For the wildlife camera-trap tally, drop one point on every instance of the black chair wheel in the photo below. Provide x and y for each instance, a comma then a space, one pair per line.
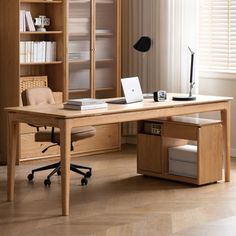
84, 181
47, 182
59, 172
88, 174
30, 177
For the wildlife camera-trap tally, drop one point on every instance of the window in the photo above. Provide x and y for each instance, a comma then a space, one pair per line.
217, 40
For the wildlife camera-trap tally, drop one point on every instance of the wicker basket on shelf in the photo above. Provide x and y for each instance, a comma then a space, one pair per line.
33, 82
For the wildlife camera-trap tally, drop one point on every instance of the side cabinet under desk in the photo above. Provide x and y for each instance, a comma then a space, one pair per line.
156, 137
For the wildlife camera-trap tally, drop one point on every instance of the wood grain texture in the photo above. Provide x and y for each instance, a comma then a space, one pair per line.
55, 116
209, 141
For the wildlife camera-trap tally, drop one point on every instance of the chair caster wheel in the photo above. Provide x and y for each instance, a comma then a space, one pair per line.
88, 174
84, 181
58, 172
30, 177
47, 182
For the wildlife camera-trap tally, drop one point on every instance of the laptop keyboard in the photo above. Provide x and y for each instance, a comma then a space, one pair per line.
117, 101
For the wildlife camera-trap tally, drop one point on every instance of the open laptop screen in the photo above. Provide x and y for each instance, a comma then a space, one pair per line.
132, 91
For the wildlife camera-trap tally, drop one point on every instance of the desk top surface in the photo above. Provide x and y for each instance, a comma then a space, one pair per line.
147, 104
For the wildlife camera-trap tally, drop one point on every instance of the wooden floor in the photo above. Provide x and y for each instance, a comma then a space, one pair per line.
117, 202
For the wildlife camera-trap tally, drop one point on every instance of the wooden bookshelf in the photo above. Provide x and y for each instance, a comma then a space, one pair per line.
91, 75
12, 69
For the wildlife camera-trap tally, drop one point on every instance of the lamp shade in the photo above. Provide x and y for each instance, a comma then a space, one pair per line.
143, 44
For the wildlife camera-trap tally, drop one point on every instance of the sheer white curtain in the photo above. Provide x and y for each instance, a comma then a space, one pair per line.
140, 18
172, 25
178, 31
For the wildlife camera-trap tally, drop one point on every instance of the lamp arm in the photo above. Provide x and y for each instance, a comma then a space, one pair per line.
190, 88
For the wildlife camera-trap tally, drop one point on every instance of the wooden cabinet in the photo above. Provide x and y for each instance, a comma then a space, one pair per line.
152, 149
94, 48
86, 34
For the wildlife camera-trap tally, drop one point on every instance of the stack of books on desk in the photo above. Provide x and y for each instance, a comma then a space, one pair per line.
85, 104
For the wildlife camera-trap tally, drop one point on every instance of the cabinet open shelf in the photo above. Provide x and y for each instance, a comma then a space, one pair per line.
40, 1
41, 33
41, 63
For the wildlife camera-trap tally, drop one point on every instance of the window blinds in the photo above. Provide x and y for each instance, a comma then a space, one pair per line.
217, 35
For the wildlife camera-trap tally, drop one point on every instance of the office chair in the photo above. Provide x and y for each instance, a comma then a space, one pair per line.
42, 96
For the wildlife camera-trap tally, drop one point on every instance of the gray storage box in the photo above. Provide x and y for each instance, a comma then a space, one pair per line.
183, 160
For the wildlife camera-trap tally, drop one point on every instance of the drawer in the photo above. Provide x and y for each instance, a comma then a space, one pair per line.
180, 131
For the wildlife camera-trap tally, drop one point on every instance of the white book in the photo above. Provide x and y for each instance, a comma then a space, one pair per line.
40, 52
22, 21
29, 21
85, 107
43, 51
32, 52
22, 52
38, 56
53, 51
27, 51
48, 56
35, 56
85, 101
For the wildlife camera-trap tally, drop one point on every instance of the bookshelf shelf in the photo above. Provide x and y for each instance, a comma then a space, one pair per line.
41, 63
41, 1
40, 33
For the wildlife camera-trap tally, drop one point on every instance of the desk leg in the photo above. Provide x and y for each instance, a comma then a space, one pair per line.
65, 144
225, 117
11, 155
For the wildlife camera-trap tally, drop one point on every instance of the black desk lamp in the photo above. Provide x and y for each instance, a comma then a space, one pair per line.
143, 44
191, 84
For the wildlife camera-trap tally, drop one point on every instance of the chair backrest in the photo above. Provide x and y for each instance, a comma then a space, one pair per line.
38, 96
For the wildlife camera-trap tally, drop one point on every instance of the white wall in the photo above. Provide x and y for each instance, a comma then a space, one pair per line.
222, 87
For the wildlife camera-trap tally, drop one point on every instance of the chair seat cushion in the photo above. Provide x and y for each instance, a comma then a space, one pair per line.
76, 134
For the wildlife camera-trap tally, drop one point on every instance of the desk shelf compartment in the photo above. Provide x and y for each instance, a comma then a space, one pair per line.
206, 134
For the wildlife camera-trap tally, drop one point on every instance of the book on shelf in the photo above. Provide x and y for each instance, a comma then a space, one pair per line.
85, 101
26, 21
85, 107
29, 21
33, 51
22, 21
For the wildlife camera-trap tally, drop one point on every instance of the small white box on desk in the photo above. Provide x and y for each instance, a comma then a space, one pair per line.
183, 160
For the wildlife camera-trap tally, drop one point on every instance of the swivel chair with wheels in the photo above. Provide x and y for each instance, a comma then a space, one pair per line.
43, 96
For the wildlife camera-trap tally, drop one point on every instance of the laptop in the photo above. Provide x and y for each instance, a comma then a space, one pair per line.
132, 91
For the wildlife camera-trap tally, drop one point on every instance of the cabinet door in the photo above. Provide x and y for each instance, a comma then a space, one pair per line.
106, 48
149, 153
79, 48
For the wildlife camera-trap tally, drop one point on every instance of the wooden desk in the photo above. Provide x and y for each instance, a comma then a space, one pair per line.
56, 116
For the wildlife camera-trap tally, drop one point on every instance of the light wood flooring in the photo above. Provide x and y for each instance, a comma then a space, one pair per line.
117, 202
